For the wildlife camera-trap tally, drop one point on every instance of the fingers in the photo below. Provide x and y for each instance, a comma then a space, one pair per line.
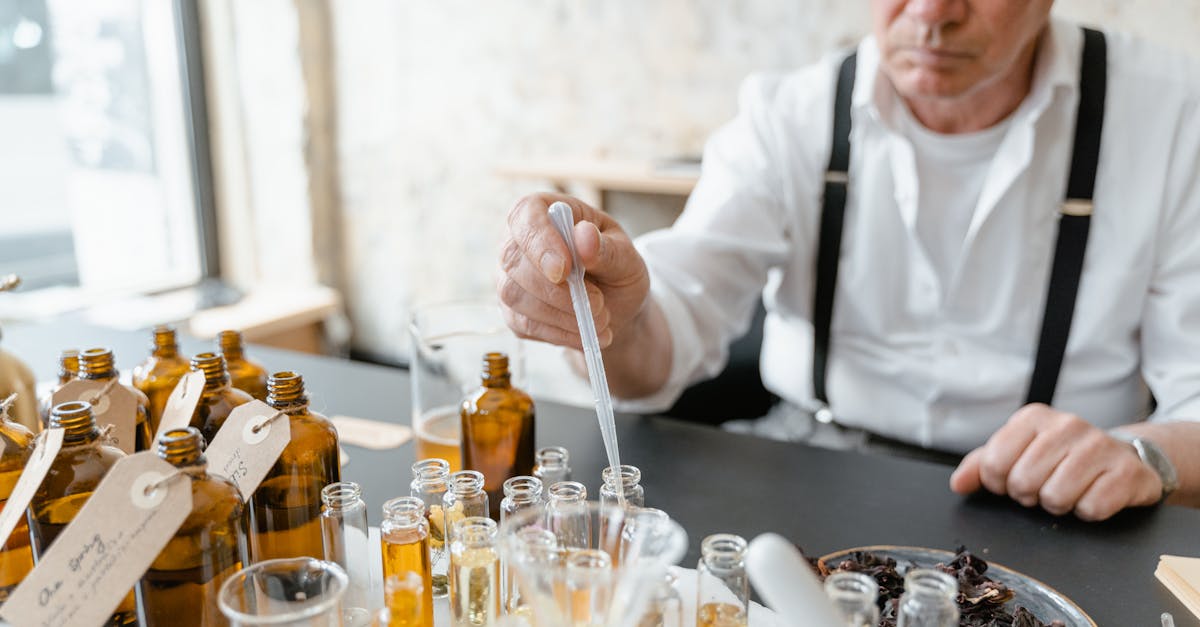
1036, 465
522, 279
608, 255
1003, 450
965, 479
530, 227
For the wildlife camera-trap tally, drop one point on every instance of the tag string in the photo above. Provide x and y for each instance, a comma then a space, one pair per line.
259, 427
153, 487
107, 387
6, 403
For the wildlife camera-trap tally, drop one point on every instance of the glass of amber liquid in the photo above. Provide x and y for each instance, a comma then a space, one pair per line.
448, 340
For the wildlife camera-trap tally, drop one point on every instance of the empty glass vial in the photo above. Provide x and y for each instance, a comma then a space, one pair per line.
68, 371
246, 375
854, 595
347, 543
666, 607
218, 399
474, 572
552, 464
16, 556
285, 511
404, 539
431, 481
73, 476
97, 364
182, 583
522, 493
160, 373
464, 499
497, 429
567, 515
625, 485
539, 554
722, 588
928, 599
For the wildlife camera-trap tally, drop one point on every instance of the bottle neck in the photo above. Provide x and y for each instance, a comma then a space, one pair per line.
182, 447
404, 512
216, 375
97, 364
723, 552
466, 483
568, 492
342, 496
626, 481
165, 344
523, 490
930, 587
231, 345
68, 366
77, 422
285, 391
552, 459
495, 371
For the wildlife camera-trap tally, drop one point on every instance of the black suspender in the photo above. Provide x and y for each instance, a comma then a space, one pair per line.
1068, 253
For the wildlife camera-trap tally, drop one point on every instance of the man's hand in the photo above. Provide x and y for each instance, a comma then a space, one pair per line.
1059, 461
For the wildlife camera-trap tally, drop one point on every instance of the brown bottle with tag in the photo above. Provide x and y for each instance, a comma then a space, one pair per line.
160, 373
244, 374
219, 397
73, 476
285, 511
497, 429
180, 587
16, 556
97, 364
68, 371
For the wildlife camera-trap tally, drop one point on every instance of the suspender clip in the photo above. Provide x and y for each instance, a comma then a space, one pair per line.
1079, 207
823, 414
835, 176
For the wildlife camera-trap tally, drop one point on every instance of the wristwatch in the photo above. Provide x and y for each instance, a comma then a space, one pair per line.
1152, 456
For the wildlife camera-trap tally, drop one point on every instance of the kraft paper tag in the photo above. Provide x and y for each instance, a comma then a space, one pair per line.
372, 434
181, 404
46, 448
117, 407
94, 562
1181, 575
248, 444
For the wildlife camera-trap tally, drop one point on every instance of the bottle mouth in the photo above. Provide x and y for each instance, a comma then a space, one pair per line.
429, 469
229, 341
164, 338
406, 510
853, 587
568, 492
285, 388
629, 476
97, 362
213, 367
552, 457
341, 494
182, 447
74, 417
474, 532
466, 481
723, 549
927, 582
523, 488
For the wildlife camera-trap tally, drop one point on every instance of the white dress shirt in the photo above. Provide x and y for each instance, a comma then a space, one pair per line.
943, 361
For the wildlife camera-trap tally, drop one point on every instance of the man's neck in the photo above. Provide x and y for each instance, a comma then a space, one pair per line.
982, 106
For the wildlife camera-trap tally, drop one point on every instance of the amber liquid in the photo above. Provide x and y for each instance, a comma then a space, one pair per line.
156, 379
437, 434
720, 615
16, 558
497, 438
247, 376
407, 551
406, 608
475, 588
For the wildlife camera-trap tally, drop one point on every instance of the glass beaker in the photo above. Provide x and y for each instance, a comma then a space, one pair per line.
296, 591
448, 340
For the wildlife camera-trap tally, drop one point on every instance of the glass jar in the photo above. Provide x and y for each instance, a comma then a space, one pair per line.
474, 572
404, 539
431, 481
346, 539
855, 597
623, 485
160, 373
219, 398
722, 588
552, 464
464, 499
928, 599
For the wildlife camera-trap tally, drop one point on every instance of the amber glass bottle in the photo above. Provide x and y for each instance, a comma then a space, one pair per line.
68, 370
219, 397
70, 482
180, 587
285, 510
97, 364
16, 556
497, 429
246, 375
160, 373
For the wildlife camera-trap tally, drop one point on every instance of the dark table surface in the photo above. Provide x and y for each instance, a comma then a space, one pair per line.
712, 481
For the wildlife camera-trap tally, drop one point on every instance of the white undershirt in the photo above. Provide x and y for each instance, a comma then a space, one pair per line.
951, 170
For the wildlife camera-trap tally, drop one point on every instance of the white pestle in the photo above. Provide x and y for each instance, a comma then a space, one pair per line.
787, 583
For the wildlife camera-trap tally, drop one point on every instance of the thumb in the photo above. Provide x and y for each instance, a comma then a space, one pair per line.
965, 479
607, 257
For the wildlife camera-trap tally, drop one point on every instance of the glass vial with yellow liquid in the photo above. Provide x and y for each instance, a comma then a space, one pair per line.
246, 375
218, 399
98, 364
431, 481
73, 476
474, 573
404, 541
180, 588
160, 373
16, 445
722, 587
68, 371
497, 429
285, 511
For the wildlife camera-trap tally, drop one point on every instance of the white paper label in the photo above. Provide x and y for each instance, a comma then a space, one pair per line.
46, 448
248, 444
177, 413
117, 407
373, 434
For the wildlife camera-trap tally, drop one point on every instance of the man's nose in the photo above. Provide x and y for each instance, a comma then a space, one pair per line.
936, 12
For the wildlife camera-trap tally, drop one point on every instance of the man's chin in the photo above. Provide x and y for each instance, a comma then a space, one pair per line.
922, 84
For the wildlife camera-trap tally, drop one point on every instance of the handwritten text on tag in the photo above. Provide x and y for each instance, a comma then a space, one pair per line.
248, 444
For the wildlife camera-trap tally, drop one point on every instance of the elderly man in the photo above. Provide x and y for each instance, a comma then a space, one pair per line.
921, 217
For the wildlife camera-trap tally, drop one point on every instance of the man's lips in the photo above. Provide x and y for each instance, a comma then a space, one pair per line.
935, 56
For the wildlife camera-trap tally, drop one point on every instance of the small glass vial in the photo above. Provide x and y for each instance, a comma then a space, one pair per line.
346, 541
539, 554
182, 583
855, 597
722, 588
160, 373
219, 399
245, 375
497, 429
464, 499
406, 599
98, 364
589, 585
521, 494
625, 485
552, 464
666, 607
567, 515
404, 540
68, 371
431, 481
16, 556
928, 599
474, 572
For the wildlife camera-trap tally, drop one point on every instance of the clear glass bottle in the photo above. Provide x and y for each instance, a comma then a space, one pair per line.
567, 515
722, 588
182, 583
73, 476
16, 556
218, 399
285, 511
404, 539
497, 429
522, 493
588, 579
854, 595
160, 373
97, 364
474, 572
246, 375
68, 371
552, 464
629, 488
431, 481
465, 498
928, 599
540, 554
666, 607
347, 542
